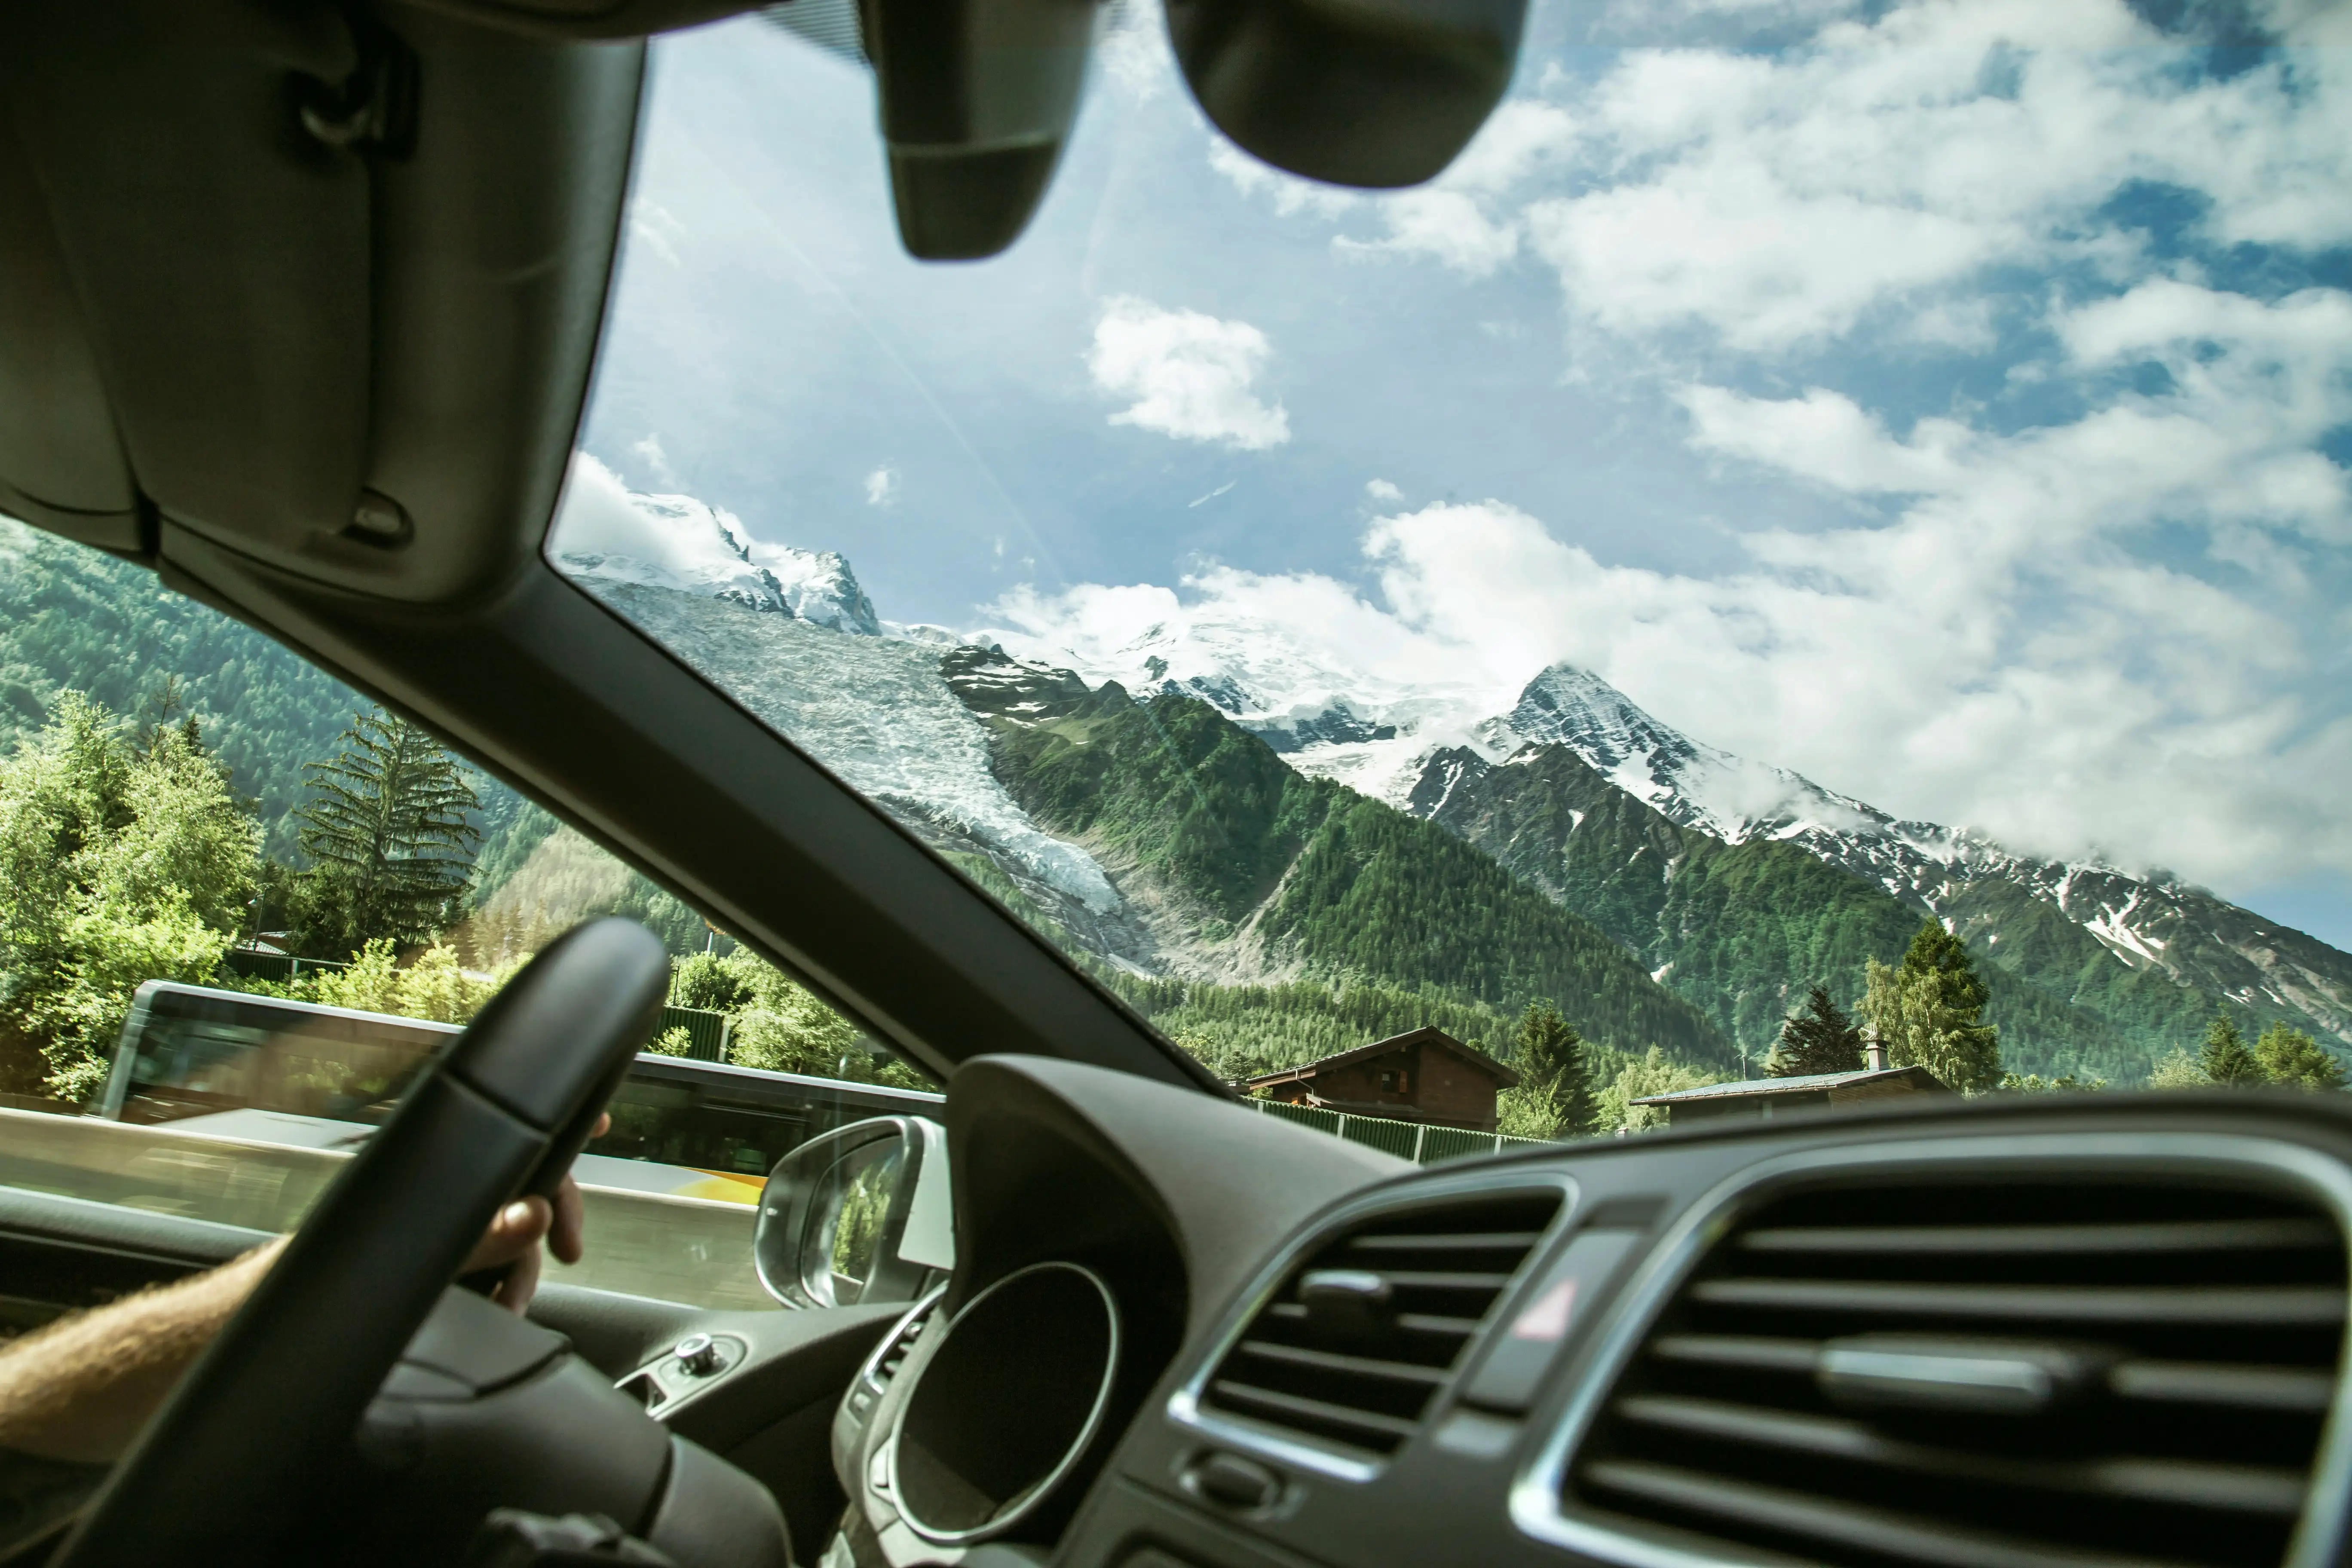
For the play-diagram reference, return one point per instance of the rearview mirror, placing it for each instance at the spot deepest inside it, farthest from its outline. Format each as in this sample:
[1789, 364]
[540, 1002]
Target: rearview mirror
[1377, 93]
[861, 1213]
[978, 98]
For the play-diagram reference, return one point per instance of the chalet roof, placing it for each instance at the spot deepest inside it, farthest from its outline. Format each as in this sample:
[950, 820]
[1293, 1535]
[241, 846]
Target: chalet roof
[1811, 1083]
[1429, 1035]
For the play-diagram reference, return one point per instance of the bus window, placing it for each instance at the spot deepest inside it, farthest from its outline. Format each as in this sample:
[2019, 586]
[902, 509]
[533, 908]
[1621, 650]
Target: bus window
[189, 1051]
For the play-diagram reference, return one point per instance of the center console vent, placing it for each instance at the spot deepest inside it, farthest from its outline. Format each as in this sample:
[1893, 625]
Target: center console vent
[1978, 1372]
[884, 1364]
[1372, 1320]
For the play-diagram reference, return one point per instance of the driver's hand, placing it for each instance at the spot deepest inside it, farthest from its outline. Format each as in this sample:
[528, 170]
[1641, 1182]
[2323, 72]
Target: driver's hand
[517, 1230]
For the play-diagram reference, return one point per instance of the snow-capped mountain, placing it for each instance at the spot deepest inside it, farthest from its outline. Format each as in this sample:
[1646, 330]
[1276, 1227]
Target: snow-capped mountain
[1326, 713]
[608, 532]
[1962, 877]
[874, 706]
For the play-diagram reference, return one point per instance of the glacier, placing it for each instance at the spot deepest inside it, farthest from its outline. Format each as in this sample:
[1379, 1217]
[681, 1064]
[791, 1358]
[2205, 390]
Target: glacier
[790, 634]
[800, 642]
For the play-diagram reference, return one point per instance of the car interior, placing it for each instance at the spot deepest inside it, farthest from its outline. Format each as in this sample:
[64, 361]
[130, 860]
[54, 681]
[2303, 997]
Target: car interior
[299, 307]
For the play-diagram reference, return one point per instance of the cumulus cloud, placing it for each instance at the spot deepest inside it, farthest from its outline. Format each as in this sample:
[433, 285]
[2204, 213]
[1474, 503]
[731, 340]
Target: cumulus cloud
[2008, 635]
[882, 486]
[1879, 172]
[1464, 219]
[1288, 192]
[649, 452]
[1191, 376]
[1383, 491]
[601, 515]
[1777, 197]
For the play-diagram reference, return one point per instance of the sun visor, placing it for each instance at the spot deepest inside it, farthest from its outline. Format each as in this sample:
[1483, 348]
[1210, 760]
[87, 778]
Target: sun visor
[321, 289]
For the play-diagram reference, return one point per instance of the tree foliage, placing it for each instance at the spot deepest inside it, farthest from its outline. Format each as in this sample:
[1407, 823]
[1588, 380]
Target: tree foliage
[1555, 1095]
[1638, 1077]
[1317, 879]
[2283, 1057]
[390, 832]
[1819, 1039]
[781, 1026]
[122, 859]
[538, 879]
[2224, 1057]
[708, 982]
[2293, 1059]
[1929, 1012]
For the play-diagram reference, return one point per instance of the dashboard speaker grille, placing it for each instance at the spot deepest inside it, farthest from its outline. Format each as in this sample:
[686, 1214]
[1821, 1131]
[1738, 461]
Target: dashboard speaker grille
[1373, 1321]
[1983, 1374]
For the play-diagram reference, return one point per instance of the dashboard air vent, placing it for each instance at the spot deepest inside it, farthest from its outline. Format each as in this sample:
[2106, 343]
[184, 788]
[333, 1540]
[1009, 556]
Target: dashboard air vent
[1982, 1376]
[890, 1355]
[1367, 1327]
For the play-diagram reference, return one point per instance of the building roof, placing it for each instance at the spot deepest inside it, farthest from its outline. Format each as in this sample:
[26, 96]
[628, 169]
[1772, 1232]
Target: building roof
[1430, 1035]
[1811, 1083]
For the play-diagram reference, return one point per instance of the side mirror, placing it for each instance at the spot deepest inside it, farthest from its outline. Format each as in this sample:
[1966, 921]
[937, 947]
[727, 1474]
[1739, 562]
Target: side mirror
[859, 1214]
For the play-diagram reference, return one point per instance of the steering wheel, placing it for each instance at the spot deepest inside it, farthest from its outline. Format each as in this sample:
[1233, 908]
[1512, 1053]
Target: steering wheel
[220, 1474]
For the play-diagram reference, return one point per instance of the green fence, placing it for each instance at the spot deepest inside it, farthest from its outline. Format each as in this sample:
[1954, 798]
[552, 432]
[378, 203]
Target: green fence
[277, 967]
[705, 1032]
[1414, 1141]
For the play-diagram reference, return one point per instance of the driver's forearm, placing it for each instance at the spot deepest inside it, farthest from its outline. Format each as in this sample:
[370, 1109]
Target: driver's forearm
[81, 1388]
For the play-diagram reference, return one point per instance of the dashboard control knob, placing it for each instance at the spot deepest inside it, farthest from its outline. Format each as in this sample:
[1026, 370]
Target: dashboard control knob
[1231, 1482]
[698, 1353]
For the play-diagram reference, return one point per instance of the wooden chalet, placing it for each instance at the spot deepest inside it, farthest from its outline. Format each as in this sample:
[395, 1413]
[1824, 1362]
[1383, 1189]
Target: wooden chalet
[1427, 1076]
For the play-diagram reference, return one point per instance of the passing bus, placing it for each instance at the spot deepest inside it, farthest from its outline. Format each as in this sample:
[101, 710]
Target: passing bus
[259, 1069]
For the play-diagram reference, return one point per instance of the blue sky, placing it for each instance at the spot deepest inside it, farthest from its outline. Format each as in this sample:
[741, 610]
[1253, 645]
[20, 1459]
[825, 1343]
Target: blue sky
[1946, 400]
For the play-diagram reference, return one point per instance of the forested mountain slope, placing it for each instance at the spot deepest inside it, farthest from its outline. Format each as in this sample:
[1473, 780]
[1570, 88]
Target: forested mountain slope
[2116, 942]
[1277, 876]
[73, 616]
[1741, 929]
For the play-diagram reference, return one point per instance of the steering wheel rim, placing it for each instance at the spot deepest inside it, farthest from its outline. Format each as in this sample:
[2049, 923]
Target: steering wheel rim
[221, 1473]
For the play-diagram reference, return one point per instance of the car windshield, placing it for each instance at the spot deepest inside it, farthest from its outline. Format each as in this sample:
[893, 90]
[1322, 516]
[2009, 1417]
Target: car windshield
[1815, 550]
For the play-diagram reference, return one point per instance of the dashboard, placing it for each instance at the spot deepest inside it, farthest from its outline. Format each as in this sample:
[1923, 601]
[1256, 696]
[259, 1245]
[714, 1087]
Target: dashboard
[2069, 1332]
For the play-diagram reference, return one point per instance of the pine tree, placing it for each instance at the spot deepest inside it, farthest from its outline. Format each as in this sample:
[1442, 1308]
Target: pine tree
[1930, 1012]
[2226, 1060]
[2293, 1059]
[1934, 950]
[1551, 1058]
[389, 832]
[1819, 1039]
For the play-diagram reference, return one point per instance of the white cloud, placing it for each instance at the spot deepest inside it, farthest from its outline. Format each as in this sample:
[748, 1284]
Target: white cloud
[655, 228]
[1447, 226]
[1825, 437]
[1464, 219]
[689, 539]
[1133, 51]
[649, 451]
[1875, 177]
[1383, 491]
[2012, 648]
[1291, 195]
[1191, 374]
[882, 486]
